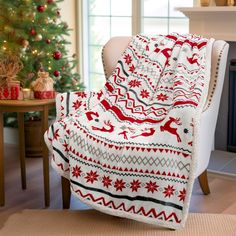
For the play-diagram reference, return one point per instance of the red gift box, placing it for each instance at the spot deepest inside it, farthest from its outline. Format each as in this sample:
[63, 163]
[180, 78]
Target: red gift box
[10, 92]
[44, 94]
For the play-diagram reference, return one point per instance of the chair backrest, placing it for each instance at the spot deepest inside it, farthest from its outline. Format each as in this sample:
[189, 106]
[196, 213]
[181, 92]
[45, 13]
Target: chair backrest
[113, 50]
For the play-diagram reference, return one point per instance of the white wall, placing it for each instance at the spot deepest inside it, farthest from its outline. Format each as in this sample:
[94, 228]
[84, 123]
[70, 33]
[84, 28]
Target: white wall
[68, 14]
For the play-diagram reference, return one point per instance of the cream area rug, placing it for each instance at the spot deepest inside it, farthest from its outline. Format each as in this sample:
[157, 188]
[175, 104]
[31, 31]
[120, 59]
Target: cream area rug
[91, 222]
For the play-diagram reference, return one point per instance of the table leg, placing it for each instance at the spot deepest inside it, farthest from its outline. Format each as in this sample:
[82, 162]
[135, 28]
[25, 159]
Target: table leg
[45, 158]
[22, 148]
[2, 191]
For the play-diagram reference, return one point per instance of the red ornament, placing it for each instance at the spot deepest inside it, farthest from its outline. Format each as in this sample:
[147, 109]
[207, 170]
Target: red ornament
[56, 73]
[48, 41]
[41, 8]
[32, 32]
[50, 1]
[57, 55]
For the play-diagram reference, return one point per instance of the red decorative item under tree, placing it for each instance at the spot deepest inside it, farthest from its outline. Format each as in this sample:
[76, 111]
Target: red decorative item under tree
[32, 32]
[43, 86]
[10, 92]
[10, 66]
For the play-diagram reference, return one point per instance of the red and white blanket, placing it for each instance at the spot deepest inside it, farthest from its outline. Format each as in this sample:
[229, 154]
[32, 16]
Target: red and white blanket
[130, 149]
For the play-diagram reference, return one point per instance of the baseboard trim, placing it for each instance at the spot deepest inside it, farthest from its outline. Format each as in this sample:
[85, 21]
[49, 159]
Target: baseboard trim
[226, 175]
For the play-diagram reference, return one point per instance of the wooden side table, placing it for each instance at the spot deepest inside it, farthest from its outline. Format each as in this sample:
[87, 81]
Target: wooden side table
[21, 107]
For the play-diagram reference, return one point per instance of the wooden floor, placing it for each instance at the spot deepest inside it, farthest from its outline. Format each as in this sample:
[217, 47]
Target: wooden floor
[221, 200]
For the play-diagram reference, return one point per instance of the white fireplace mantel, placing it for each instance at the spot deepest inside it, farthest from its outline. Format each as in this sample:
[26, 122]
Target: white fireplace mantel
[213, 21]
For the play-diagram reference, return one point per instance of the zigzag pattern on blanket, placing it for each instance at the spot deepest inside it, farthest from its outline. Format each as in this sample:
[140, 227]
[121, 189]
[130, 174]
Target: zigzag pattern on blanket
[130, 152]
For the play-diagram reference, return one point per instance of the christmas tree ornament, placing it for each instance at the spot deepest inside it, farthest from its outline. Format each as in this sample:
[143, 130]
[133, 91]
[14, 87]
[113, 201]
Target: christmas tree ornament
[41, 8]
[4, 48]
[25, 43]
[57, 55]
[48, 41]
[50, 1]
[32, 32]
[56, 73]
[38, 37]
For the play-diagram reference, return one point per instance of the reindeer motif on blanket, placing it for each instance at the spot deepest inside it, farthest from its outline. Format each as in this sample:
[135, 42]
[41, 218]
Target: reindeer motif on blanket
[109, 129]
[166, 52]
[145, 133]
[167, 127]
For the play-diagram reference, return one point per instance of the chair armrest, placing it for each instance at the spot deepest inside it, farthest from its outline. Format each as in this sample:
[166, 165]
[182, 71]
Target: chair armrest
[211, 109]
[73, 103]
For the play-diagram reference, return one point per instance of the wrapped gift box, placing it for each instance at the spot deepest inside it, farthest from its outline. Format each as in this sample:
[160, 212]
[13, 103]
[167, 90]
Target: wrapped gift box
[10, 92]
[44, 94]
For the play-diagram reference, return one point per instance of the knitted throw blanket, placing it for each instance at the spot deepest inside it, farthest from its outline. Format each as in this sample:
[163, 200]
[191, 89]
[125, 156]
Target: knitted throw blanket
[130, 150]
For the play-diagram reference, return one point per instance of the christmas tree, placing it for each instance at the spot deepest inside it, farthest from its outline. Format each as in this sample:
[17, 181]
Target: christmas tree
[34, 31]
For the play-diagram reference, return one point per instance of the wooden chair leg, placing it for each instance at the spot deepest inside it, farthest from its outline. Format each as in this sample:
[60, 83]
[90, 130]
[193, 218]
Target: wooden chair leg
[203, 181]
[66, 192]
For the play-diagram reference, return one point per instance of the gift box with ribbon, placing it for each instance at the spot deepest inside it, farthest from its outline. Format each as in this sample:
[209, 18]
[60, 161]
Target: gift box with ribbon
[43, 86]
